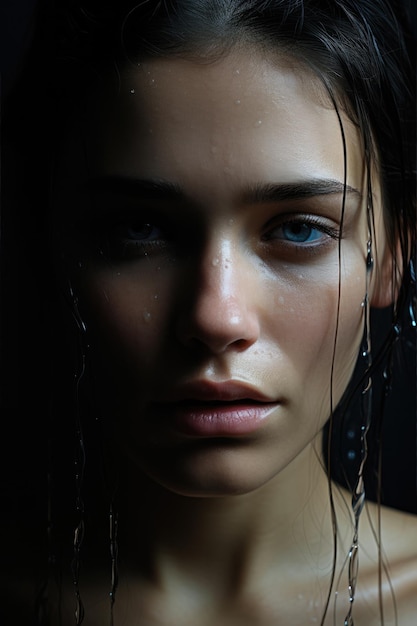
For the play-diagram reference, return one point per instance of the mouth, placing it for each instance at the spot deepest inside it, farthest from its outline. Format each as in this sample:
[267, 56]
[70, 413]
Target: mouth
[206, 409]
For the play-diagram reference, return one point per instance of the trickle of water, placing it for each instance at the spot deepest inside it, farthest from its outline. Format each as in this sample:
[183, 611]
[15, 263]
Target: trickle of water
[369, 258]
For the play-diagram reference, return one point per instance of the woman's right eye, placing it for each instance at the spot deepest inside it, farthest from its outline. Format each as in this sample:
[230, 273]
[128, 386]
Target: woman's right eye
[130, 239]
[144, 232]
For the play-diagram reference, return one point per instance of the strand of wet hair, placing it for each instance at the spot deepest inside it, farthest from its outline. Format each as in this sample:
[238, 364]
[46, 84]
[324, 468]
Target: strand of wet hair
[114, 550]
[358, 495]
[336, 333]
[79, 464]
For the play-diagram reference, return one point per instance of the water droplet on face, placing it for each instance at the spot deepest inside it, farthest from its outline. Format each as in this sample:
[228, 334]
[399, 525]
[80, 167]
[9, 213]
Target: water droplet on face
[146, 316]
[132, 91]
[237, 101]
[215, 262]
[156, 296]
[80, 264]
[237, 71]
[258, 123]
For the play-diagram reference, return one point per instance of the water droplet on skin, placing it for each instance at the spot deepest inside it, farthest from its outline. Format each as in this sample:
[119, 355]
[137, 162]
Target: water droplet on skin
[237, 71]
[215, 262]
[146, 316]
[258, 123]
[237, 101]
[80, 264]
[132, 91]
[156, 296]
[351, 455]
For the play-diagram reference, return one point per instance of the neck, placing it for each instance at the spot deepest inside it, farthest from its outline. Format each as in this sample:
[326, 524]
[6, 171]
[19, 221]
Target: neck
[231, 540]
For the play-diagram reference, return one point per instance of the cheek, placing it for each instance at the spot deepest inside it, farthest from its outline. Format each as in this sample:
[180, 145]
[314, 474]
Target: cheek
[315, 334]
[126, 317]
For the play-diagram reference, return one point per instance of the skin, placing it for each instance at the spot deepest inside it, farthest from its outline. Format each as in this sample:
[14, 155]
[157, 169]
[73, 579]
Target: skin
[222, 295]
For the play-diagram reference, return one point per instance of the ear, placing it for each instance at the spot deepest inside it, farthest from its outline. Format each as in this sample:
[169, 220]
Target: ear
[387, 276]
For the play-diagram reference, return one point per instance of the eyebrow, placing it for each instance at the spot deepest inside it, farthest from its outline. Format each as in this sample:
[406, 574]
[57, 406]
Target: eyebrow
[298, 190]
[160, 189]
[151, 189]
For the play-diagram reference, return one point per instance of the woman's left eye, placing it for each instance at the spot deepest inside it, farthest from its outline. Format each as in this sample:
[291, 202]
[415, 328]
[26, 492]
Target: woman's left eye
[299, 232]
[302, 232]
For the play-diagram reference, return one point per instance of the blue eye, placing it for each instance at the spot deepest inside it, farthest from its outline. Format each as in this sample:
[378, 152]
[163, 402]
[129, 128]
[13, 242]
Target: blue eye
[300, 232]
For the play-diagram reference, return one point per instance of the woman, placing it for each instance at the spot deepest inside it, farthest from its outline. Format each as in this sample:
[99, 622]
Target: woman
[230, 192]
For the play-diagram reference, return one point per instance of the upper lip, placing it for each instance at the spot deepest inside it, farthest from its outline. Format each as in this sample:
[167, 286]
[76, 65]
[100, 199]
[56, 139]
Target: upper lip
[209, 391]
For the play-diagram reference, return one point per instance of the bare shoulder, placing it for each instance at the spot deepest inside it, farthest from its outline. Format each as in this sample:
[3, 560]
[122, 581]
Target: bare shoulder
[399, 558]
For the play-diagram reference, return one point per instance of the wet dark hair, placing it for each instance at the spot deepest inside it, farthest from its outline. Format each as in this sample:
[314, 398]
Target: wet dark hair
[362, 51]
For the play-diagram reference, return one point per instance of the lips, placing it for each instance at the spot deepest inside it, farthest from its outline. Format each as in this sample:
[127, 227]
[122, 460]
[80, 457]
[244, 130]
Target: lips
[207, 409]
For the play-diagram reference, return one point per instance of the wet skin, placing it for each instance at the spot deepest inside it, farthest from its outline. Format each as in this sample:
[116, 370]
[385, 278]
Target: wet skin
[200, 220]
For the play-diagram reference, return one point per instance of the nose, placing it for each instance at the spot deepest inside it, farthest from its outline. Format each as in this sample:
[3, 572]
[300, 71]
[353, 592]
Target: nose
[221, 311]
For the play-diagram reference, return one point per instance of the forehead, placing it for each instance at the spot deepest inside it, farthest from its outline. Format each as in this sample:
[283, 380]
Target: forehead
[242, 115]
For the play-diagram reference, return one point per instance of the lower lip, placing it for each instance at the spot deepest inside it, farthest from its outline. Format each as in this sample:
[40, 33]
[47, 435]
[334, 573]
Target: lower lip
[219, 420]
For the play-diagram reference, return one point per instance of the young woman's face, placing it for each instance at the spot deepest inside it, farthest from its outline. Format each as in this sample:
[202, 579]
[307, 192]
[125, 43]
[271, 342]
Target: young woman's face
[199, 219]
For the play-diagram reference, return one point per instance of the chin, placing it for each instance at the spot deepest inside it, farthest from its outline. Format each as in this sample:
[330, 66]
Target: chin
[217, 469]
